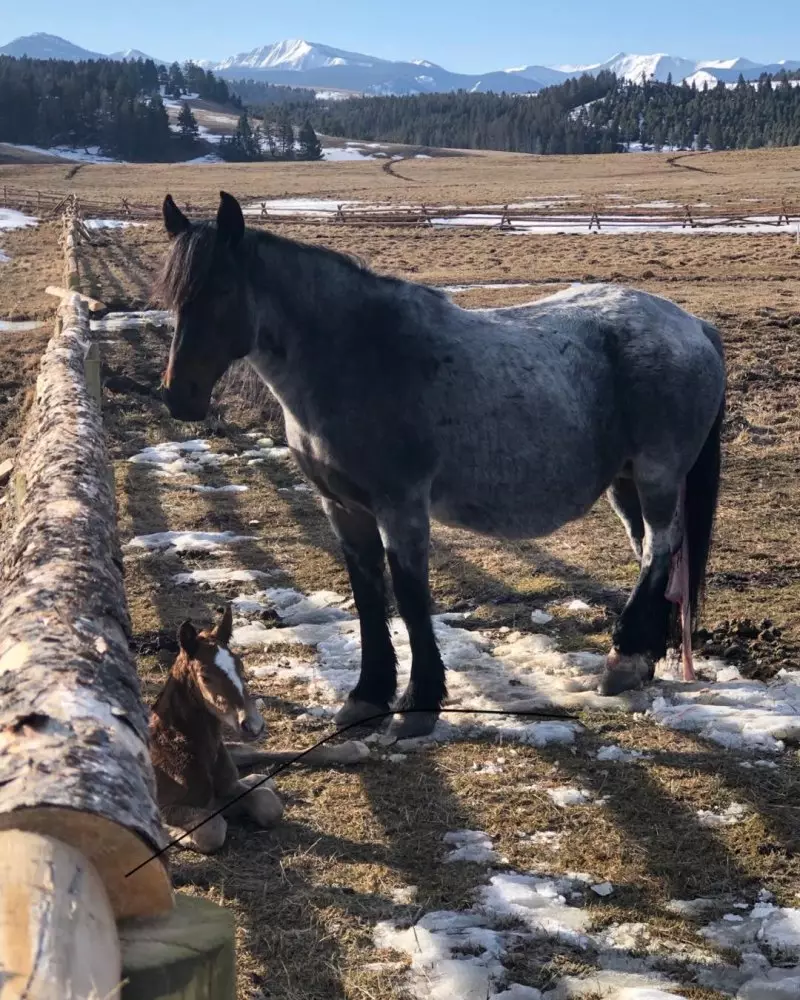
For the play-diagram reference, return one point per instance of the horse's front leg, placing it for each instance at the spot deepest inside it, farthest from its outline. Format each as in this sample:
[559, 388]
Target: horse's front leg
[405, 530]
[641, 635]
[365, 558]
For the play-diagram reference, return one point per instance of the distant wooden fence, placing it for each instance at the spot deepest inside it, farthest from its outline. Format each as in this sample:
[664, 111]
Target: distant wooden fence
[595, 217]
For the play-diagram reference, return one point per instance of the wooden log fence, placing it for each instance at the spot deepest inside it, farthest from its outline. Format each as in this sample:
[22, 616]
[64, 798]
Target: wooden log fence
[88, 909]
[51, 205]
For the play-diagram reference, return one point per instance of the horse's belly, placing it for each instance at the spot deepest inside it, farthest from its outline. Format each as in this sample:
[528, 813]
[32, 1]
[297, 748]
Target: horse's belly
[508, 517]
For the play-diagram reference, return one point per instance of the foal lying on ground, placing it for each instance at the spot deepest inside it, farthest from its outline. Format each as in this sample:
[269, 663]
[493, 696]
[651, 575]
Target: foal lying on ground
[196, 773]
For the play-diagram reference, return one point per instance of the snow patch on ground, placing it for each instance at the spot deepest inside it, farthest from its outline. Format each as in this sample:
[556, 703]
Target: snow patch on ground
[111, 223]
[470, 845]
[11, 219]
[91, 154]
[19, 326]
[187, 541]
[116, 322]
[732, 816]
[174, 458]
[734, 712]
[567, 795]
[206, 577]
[619, 755]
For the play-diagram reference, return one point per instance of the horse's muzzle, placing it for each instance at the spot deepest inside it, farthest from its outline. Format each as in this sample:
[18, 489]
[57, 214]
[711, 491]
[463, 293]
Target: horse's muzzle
[183, 408]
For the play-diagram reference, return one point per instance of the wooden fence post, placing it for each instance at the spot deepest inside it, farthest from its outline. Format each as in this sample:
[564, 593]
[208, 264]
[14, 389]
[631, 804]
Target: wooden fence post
[687, 218]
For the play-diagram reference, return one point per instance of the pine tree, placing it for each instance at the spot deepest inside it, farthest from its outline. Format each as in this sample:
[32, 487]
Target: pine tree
[187, 123]
[176, 82]
[285, 135]
[310, 146]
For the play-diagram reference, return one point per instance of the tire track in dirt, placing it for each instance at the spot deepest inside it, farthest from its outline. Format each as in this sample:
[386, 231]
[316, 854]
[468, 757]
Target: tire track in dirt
[673, 162]
[387, 168]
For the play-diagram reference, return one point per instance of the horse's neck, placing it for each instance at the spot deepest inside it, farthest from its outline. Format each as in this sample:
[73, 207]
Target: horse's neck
[180, 707]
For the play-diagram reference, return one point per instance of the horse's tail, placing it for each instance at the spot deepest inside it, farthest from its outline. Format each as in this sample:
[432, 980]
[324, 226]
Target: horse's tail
[702, 493]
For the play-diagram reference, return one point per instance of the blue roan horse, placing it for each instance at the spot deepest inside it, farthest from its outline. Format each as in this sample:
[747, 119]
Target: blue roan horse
[401, 407]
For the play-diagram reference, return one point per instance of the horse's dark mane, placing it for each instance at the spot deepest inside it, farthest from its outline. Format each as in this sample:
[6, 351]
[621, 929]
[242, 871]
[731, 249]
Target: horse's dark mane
[189, 263]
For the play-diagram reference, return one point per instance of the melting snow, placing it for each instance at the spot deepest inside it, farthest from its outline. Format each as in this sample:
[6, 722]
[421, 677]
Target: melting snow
[177, 457]
[620, 755]
[11, 219]
[566, 795]
[220, 575]
[228, 488]
[187, 541]
[116, 322]
[111, 223]
[731, 816]
[470, 845]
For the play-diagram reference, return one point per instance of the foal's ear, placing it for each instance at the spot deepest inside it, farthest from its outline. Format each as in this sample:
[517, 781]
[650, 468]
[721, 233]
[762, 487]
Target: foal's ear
[187, 637]
[175, 222]
[224, 631]
[230, 221]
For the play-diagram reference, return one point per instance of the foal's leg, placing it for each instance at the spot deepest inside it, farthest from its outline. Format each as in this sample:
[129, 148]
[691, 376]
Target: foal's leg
[364, 555]
[640, 636]
[206, 839]
[406, 536]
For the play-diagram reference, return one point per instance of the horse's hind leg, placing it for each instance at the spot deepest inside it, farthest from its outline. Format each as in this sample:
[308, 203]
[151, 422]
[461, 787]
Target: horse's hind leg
[624, 499]
[364, 555]
[406, 535]
[641, 634]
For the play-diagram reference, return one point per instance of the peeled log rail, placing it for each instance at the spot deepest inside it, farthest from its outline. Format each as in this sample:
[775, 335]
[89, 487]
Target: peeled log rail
[75, 769]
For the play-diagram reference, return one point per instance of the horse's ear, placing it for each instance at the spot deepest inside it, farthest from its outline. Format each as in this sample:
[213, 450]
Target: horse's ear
[230, 221]
[187, 637]
[224, 631]
[175, 222]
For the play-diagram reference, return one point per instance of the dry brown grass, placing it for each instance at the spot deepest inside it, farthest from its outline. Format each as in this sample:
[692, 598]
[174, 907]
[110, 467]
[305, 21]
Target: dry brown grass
[717, 179]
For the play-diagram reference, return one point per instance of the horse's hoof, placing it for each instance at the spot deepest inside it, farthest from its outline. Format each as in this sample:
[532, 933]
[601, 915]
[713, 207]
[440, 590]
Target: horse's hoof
[355, 712]
[407, 727]
[624, 673]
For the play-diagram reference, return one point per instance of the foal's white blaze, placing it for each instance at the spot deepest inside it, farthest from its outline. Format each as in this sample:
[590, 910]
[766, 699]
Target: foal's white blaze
[227, 664]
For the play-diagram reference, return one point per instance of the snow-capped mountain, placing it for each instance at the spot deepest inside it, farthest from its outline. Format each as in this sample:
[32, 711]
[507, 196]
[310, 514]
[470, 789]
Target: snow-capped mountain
[299, 63]
[133, 54]
[294, 55]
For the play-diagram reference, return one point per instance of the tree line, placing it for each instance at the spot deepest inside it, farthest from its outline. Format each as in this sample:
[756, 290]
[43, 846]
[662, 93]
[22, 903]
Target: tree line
[119, 108]
[587, 115]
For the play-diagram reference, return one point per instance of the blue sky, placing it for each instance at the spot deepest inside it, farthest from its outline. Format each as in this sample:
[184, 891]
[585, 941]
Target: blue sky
[463, 35]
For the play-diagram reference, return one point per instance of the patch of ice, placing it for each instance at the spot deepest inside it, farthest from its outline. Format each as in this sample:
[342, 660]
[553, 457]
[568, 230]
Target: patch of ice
[470, 845]
[187, 541]
[567, 795]
[736, 713]
[539, 617]
[220, 575]
[11, 219]
[111, 223]
[293, 607]
[227, 488]
[19, 326]
[266, 453]
[4, 258]
[116, 322]
[517, 992]
[177, 457]
[603, 889]
[619, 754]
[766, 926]
[731, 816]
[577, 605]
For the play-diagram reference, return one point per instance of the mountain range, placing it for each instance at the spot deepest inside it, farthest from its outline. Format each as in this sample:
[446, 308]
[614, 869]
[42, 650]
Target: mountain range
[298, 63]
